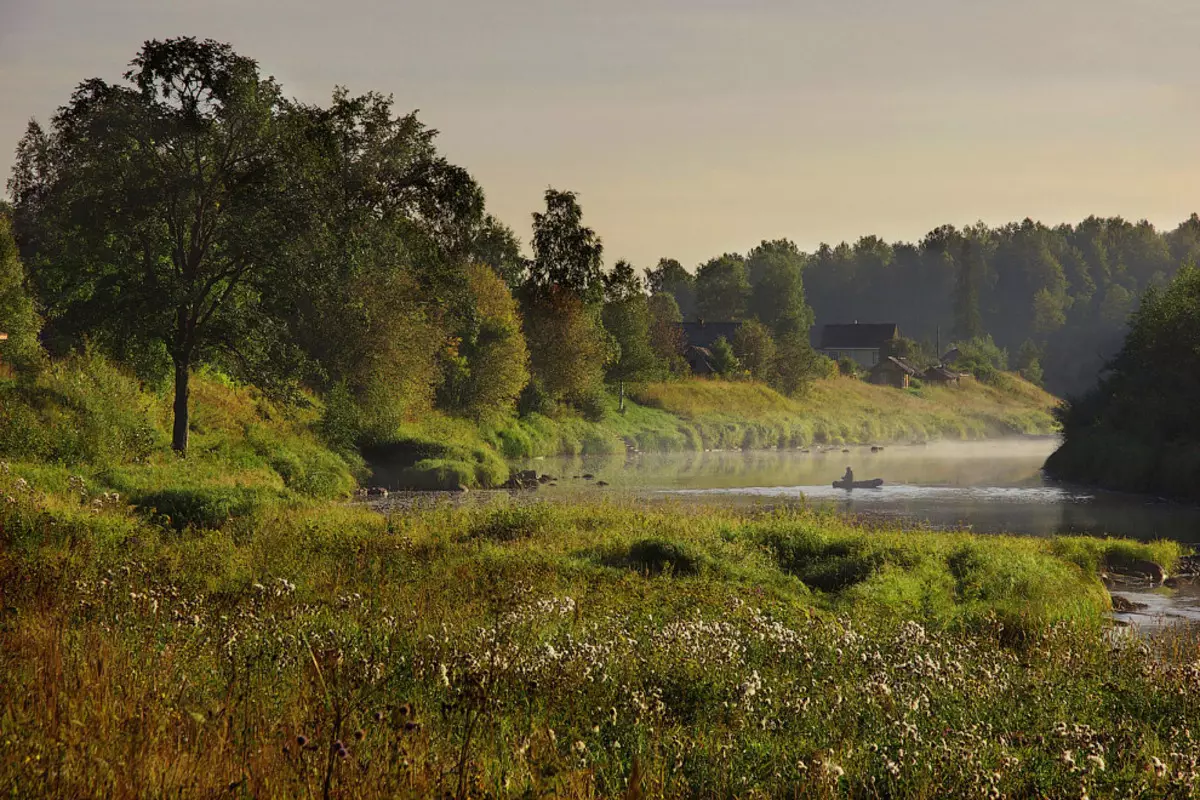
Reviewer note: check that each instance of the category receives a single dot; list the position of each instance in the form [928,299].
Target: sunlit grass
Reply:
[313,649]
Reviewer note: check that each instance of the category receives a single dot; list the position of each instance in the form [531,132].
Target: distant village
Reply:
[868,345]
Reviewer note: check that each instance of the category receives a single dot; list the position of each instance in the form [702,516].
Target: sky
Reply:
[690,128]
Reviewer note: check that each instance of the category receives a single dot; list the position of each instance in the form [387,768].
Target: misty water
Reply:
[985,487]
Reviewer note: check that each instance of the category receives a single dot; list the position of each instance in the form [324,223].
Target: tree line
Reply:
[193,214]
[1057,299]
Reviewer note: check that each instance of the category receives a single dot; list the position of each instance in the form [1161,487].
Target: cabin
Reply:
[698,338]
[861,343]
[699,359]
[940,374]
[893,371]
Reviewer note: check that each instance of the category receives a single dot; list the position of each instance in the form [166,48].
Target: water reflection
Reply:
[987,487]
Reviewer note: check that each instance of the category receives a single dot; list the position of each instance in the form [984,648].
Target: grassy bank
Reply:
[87,415]
[317,650]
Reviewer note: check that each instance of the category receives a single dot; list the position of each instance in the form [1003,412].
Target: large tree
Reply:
[722,288]
[566,253]
[627,319]
[154,209]
[671,278]
[777,288]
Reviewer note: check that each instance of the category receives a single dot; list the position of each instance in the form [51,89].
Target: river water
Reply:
[985,487]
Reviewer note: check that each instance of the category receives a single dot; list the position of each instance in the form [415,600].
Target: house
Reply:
[860,343]
[940,374]
[893,371]
[699,359]
[951,356]
[698,338]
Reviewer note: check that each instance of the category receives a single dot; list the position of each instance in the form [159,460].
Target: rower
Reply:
[849,476]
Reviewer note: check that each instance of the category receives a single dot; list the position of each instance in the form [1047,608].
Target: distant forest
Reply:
[1059,297]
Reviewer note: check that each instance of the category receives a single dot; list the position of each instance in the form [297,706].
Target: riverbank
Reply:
[701,414]
[568,650]
[84,415]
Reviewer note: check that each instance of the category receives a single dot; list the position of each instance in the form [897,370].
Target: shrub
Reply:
[208,507]
[657,556]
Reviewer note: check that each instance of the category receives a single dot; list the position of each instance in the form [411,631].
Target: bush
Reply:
[657,556]
[206,508]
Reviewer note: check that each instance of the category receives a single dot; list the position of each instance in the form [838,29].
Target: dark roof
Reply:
[941,374]
[900,364]
[858,337]
[699,359]
[703,334]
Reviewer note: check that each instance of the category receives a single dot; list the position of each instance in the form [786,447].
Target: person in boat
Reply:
[849,476]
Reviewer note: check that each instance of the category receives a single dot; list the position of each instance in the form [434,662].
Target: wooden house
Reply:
[893,371]
[862,343]
[941,374]
[698,339]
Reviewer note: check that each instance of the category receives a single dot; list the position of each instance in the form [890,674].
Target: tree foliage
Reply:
[755,350]
[489,358]
[18,317]
[566,253]
[1138,429]
[722,289]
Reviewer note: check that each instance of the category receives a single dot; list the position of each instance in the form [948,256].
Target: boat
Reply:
[872,484]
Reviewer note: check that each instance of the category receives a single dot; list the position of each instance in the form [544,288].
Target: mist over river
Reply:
[987,487]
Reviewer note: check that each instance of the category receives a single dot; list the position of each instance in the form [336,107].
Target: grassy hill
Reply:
[86,417]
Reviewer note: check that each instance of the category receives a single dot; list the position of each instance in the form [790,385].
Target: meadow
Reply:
[228,624]
[315,649]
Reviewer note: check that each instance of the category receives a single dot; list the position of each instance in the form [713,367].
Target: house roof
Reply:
[942,374]
[703,334]
[867,336]
[901,364]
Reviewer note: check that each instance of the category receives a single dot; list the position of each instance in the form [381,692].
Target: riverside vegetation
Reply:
[310,649]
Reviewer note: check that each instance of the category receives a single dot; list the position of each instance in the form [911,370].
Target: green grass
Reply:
[537,650]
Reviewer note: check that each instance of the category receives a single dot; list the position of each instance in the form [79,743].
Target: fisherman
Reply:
[848,477]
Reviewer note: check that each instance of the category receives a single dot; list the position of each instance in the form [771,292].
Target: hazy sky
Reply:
[694,127]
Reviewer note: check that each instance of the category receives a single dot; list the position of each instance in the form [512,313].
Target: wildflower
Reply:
[1068,758]
[343,753]
[1097,761]
[360,734]
[377,716]
[302,740]
[1156,766]
[579,747]
[411,726]
[444,675]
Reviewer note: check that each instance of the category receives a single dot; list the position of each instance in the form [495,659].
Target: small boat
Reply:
[872,484]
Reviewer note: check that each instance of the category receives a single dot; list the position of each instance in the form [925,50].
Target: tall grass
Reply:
[503,651]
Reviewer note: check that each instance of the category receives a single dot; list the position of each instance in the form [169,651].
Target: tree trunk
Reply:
[179,439]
